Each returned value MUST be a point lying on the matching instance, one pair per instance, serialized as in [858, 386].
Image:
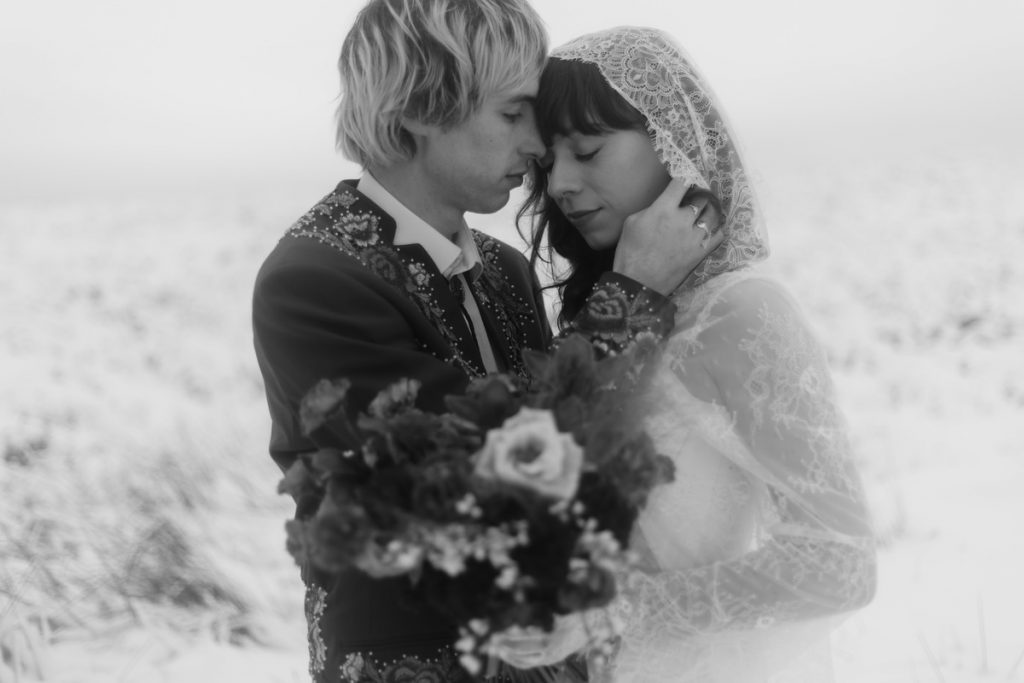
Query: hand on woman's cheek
[661, 245]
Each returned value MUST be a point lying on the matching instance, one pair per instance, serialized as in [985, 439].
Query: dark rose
[572, 370]
[414, 436]
[336, 534]
[604, 501]
[488, 402]
[386, 496]
[628, 458]
[438, 486]
[571, 416]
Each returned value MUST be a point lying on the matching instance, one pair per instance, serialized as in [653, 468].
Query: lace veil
[688, 129]
[764, 537]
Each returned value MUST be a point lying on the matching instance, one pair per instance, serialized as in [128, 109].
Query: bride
[763, 539]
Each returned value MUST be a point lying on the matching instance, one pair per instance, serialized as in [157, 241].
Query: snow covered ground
[133, 429]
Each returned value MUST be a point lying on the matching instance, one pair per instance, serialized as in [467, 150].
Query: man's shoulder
[336, 232]
[345, 220]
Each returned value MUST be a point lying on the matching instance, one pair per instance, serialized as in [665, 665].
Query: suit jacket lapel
[459, 334]
[352, 224]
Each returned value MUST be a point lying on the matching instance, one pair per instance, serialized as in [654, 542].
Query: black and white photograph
[512, 341]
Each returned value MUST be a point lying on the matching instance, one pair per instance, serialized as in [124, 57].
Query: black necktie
[459, 292]
[480, 336]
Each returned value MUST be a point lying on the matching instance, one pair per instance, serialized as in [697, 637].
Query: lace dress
[763, 537]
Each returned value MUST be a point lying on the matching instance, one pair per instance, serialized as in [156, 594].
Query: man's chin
[492, 204]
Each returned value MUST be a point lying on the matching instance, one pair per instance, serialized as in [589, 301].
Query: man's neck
[408, 186]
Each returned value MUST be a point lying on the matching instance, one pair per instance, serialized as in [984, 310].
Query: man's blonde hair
[431, 61]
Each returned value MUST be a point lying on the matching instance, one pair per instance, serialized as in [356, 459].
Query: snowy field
[141, 538]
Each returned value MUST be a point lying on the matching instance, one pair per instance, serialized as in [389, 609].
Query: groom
[383, 279]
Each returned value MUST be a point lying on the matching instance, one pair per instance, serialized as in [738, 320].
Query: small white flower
[466, 643]
[467, 506]
[471, 663]
[507, 578]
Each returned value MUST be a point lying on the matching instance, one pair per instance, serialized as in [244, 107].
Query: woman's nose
[561, 180]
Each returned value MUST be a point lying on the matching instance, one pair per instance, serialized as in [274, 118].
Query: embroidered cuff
[619, 311]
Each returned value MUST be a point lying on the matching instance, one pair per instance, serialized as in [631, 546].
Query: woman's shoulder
[752, 288]
[744, 292]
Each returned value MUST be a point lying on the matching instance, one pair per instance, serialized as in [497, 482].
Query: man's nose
[533, 147]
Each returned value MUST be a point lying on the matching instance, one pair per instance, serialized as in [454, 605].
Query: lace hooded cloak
[763, 538]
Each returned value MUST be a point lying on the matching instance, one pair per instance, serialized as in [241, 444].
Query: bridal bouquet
[512, 507]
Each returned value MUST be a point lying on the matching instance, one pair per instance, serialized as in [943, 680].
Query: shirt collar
[452, 257]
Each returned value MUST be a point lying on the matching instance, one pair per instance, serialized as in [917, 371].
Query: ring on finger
[703, 227]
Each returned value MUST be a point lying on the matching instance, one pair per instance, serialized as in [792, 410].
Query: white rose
[529, 451]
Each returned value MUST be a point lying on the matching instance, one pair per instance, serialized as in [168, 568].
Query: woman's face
[599, 180]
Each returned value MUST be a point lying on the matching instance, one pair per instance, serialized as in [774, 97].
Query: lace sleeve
[811, 554]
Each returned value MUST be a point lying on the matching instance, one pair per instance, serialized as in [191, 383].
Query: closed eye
[586, 156]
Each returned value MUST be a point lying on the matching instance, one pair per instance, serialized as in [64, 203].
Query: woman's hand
[663, 243]
[531, 647]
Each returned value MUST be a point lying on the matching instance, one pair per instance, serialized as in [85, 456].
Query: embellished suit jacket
[337, 298]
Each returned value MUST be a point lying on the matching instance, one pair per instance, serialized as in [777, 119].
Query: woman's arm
[817, 555]
[658, 249]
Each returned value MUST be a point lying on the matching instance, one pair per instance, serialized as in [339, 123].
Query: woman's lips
[578, 218]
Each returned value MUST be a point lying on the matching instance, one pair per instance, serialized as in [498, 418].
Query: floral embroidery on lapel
[347, 199]
[351, 224]
[513, 314]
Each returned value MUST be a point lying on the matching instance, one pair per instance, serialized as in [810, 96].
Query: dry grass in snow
[141, 538]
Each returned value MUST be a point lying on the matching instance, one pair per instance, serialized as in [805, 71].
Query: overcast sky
[111, 97]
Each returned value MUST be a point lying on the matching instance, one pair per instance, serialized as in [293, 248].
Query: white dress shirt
[455, 258]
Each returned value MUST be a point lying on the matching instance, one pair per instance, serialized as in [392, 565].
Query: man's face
[474, 165]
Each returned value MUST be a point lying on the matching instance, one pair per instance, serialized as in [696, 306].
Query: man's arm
[336, 320]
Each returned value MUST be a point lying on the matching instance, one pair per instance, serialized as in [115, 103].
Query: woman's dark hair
[573, 96]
